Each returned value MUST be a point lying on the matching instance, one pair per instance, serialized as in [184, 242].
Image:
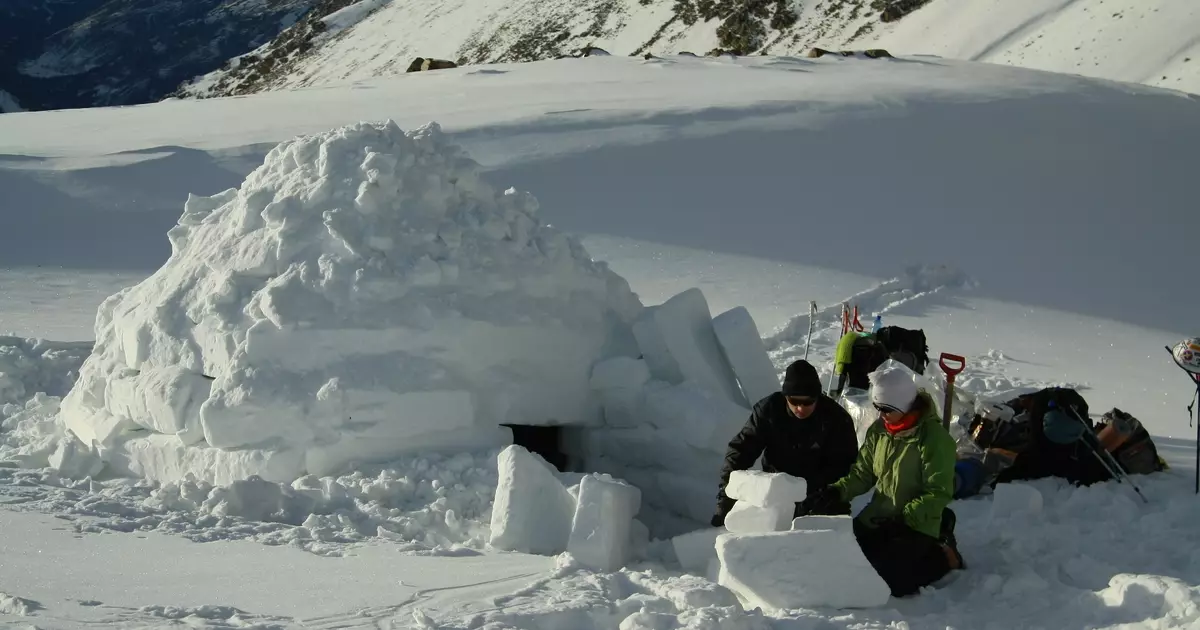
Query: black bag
[905, 346]
[1137, 455]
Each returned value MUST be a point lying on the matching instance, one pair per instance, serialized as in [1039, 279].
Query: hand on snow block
[766, 489]
[532, 512]
[776, 571]
[678, 344]
[746, 518]
[743, 348]
[602, 527]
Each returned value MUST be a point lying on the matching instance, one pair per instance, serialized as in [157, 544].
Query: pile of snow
[343, 19]
[29, 366]
[362, 294]
[669, 415]
[13, 605]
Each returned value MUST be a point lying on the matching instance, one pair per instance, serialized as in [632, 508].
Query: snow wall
[361, 295]
[364, 295]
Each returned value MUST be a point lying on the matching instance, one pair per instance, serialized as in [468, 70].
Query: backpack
[905, 346]
[1136, 453]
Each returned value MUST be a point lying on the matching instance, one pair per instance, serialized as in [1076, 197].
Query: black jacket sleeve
[841, 445]
[743, 451]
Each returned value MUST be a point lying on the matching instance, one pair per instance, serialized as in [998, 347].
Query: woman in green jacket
[907, 530]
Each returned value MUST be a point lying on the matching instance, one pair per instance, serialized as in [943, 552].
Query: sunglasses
[801, 401]
[886, 408]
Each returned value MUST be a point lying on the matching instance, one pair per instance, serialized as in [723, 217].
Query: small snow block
[766, 489]
[746, 518]
[776, 571]
[1016, 498]
[619, 373]
[602, 527]
[73, 460]
[679, 344]
[695, 550]
[820, 523]
[744, 350]
[532, 511]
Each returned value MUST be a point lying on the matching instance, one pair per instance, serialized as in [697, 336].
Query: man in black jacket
[797, 430]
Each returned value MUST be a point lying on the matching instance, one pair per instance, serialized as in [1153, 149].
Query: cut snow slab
[799, 569]
[679, 344]
[747, 518]
[696, 550]
[766, 489]
[533, 511]
[361, 289]
[743, 348]
[602, 528]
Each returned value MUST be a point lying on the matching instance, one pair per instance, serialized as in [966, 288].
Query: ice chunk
[603, 523]
[74, 460]
[744, 350]
[746, 518]
[619, 373]
[799, 569]
[678, 343]
[766, 489]
[1016, 498]
[695, 550]
[532, 511]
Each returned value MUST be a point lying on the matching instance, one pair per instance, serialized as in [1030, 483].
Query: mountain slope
[1129, 40]
[8, 103]
[87, 53]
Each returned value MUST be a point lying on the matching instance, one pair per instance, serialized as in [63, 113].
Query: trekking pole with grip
[951, 373]
[1102, 454]
[1187, 356]
[812, 319]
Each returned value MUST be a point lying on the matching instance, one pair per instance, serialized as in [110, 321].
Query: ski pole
[951, 373]
[812, 319]
[1106, 459]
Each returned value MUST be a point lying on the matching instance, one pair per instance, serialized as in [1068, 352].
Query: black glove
[823, 499]
[718, 520]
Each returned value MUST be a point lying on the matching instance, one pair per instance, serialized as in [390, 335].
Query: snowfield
[1025, 220]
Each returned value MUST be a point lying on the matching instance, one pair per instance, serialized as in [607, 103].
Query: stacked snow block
[534, 512]
[766, 501]
[775, 571]
[670, 414]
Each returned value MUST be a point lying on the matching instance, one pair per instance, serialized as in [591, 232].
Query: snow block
[73, 460]
[1016, 498]
[619, 373]
[799, 569]
[695, 550]
[164, 458]
[165, 400]
[601, 530]
[744, 350]
[679, 344]
[746, 518]
[701, 418]
[532, 511]
[820, 523]
[766, 489]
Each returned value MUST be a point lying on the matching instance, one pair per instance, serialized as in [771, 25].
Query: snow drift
[362, 294]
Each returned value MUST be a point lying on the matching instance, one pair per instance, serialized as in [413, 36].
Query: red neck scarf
[904, 423]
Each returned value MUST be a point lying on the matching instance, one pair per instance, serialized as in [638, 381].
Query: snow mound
[362, 294]
[12, 605]
[29, 366]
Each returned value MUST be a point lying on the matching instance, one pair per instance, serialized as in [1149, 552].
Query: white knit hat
[893, 387]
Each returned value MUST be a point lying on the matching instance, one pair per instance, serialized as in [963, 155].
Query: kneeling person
[797, 430]
[907, 530]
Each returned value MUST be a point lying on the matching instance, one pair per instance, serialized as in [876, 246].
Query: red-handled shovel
[950, 374]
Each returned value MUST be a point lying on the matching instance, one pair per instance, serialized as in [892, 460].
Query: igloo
[362, 294]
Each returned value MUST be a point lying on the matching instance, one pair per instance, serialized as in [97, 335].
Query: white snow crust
[362, 294]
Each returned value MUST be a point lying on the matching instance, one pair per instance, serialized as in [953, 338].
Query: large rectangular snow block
[695, 550]
[746, 354]
[702, 418]
[766, 489]
[746, 518]
[679, 344]
[532, 511]
[601, 530]
[777, 571]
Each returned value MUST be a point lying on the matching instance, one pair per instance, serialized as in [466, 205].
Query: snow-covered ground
[1060, 206]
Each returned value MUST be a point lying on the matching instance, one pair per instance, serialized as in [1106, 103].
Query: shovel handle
[951, 372]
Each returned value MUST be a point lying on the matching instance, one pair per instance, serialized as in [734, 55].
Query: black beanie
[801, 380]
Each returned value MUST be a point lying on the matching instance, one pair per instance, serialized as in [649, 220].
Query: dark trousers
[905, 558]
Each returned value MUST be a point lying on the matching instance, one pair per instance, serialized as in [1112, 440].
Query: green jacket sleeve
[862, 473]
[924, 513]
